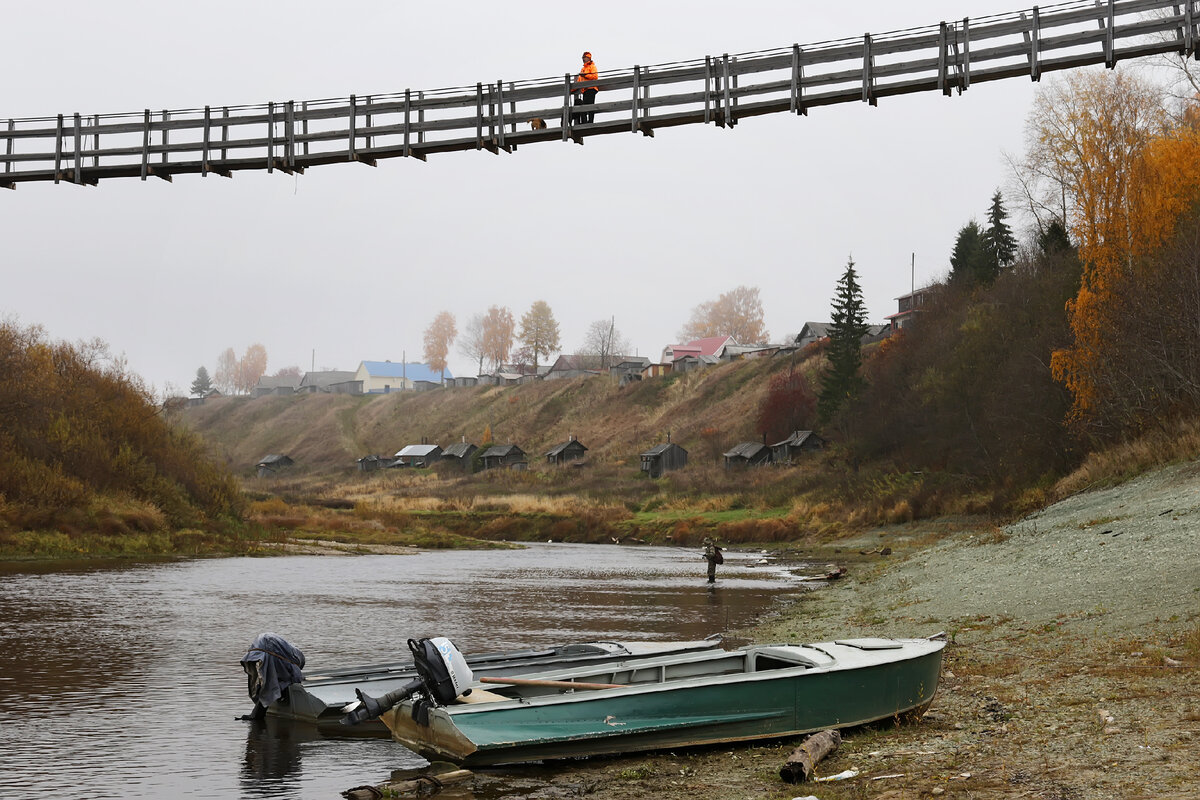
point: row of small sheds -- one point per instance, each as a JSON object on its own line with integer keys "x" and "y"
{"x": 755, "y": 454}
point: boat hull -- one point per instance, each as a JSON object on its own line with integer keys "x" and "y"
{"x": 706, "y": 709}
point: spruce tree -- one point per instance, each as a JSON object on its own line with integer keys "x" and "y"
{"x": 972, "y": 262}
{"x": 998, "y": 237}
{"x": 841, "y": 380}
{"x": 203, "y": 384}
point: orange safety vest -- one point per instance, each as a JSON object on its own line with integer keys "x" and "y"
{"x": 588, "y": 73}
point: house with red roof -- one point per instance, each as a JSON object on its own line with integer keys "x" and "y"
{"x": 697, "y": 350}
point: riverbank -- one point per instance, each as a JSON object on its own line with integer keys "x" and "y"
{"x": 1075, "y": 647}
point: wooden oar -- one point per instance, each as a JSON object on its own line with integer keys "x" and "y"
{"x": 550, "y": 684}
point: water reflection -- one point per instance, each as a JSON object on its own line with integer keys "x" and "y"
{"x": 124, "y": 680}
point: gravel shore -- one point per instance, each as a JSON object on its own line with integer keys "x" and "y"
{"x": 1070, "y": 675}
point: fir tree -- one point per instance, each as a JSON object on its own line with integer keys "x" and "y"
{"x": 998, "y": 237}
{"x": 972, "y": 262}
{"x": 203, "y": 384}
{"x": 841, "y": 380}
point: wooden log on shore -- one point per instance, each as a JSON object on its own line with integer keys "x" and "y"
{"x": 801, "y": 763}
{"x": 412, "y": 786}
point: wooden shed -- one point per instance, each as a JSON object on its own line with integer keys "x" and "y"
{"x": 748, "y": 454}
{"x": 795, "y": 445}
{"x": 504, "y": 455}
{"x": 663, "y": 458}
{"x": 570, "y": 450}
{"x": 459, "y": 454}
{"x": 418, "y": 455}
{"x": 272, "y": 464}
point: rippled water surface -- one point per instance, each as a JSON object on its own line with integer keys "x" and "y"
{"x": 123, "y": 681}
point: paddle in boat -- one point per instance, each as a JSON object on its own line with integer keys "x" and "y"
{"x": 671, "y": 701}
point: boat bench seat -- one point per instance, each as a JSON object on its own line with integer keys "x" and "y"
{"x": 481, "y": 696}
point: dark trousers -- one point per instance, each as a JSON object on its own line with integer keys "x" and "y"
{"x": 584, "y": 98}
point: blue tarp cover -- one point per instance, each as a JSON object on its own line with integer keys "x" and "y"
{"x": 272, "y": 664}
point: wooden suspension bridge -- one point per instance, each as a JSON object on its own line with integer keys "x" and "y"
{"x": 499, "y": 116}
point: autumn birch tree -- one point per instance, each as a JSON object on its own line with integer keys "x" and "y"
{"x": 438, "y": 337}
{"x": 539, "y": 331}
{"x": 499, "y": 328}
{"x": 737, "y": 313}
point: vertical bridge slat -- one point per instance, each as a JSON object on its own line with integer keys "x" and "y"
{"x": 165, "y": 138}
{"x": 566, "y": 112}
{"x": 637, "y": 76}
{"x": 943, "y": 47}
{"x": 966, "y": 60}
{"x": 868, "y": 86}
{"x": 707, "y": 89}
{"x": 797, "y": 82}
{"x": 353, "y": 115}
{"x": 224, "y": 132}
{"x": 500, "y": 111}
{"x": 1189, "y": 36}
{"x": 1110, "y": 54}
{"x": 479, "y": 116}
{"x": 78, "y": 149}
{"x": 370, "y": 139}
{"x": 1035, "y": 39}
{"x": 512, "y": 105}
{"x": 304, "y": 125}
{"x": 207, "y": 141}
{"x": 58, "y": 137}
{"x": 270, "y": 137}
{"x": 96, "y": 140}
{"x": 8, "y": 147}
{"x": 407, "y": 122}
{"x": 290, "y": 132}
{"x": 146, "y": 144}
{"x": 727, "y": 121}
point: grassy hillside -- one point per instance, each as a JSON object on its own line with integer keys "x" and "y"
{"x": 89, "y": 464}
{"x": 325, "y": 434}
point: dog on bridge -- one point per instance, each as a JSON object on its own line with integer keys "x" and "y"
{"x": 537, "y": 123}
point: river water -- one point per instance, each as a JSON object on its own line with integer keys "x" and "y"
{"x": 122, "y": 680}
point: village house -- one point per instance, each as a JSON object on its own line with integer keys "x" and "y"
{"x": 459, "y": 454}
{"x": 325, "y": 381}
{"x": 663, "y": 458}
{"x": 748, "y": 454}
{"x": 275, "y": 384}
{"x": 272, "y": 464}
{"x": 570, "y": 450}
{"x": 909, "y": 306}
{"x": 798, "y": 443}
{"x": 504, "y": 455}
{"x": 418, "y": 455}
{"x": 382, "y": 377}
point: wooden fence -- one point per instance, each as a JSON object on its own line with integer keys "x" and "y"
{"x": 291, "y": 136}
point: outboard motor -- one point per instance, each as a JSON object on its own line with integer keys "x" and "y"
{"x": 272, "y": 664}
{"x": 442, "y": 675}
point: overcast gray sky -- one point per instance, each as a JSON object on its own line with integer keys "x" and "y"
{"x": 351, "y": 262}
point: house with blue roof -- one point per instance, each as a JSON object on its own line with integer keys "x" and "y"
{"x": 381, "y": 377}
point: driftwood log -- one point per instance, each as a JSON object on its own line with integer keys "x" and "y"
{"x": 801, "y": 763}
{"x": 427, "y": 784}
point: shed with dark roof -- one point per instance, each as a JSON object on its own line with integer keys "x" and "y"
{"x": 570, "y": 450}
{"x": 748, "y": 454}
{"x": 663, "y": 458}
{"x": 504, "y": 455}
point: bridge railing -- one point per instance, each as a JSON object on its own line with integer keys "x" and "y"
{"x": 291, "y": 136}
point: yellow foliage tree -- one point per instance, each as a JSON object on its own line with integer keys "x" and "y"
{"x": 1126, "y": 177}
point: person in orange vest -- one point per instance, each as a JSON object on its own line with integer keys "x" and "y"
{"x": 585, "y": 97}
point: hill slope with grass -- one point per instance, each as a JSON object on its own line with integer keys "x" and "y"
{"x": 704, "y": 411}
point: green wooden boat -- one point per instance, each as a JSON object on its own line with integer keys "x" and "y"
{"x": 675, "y": 701}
